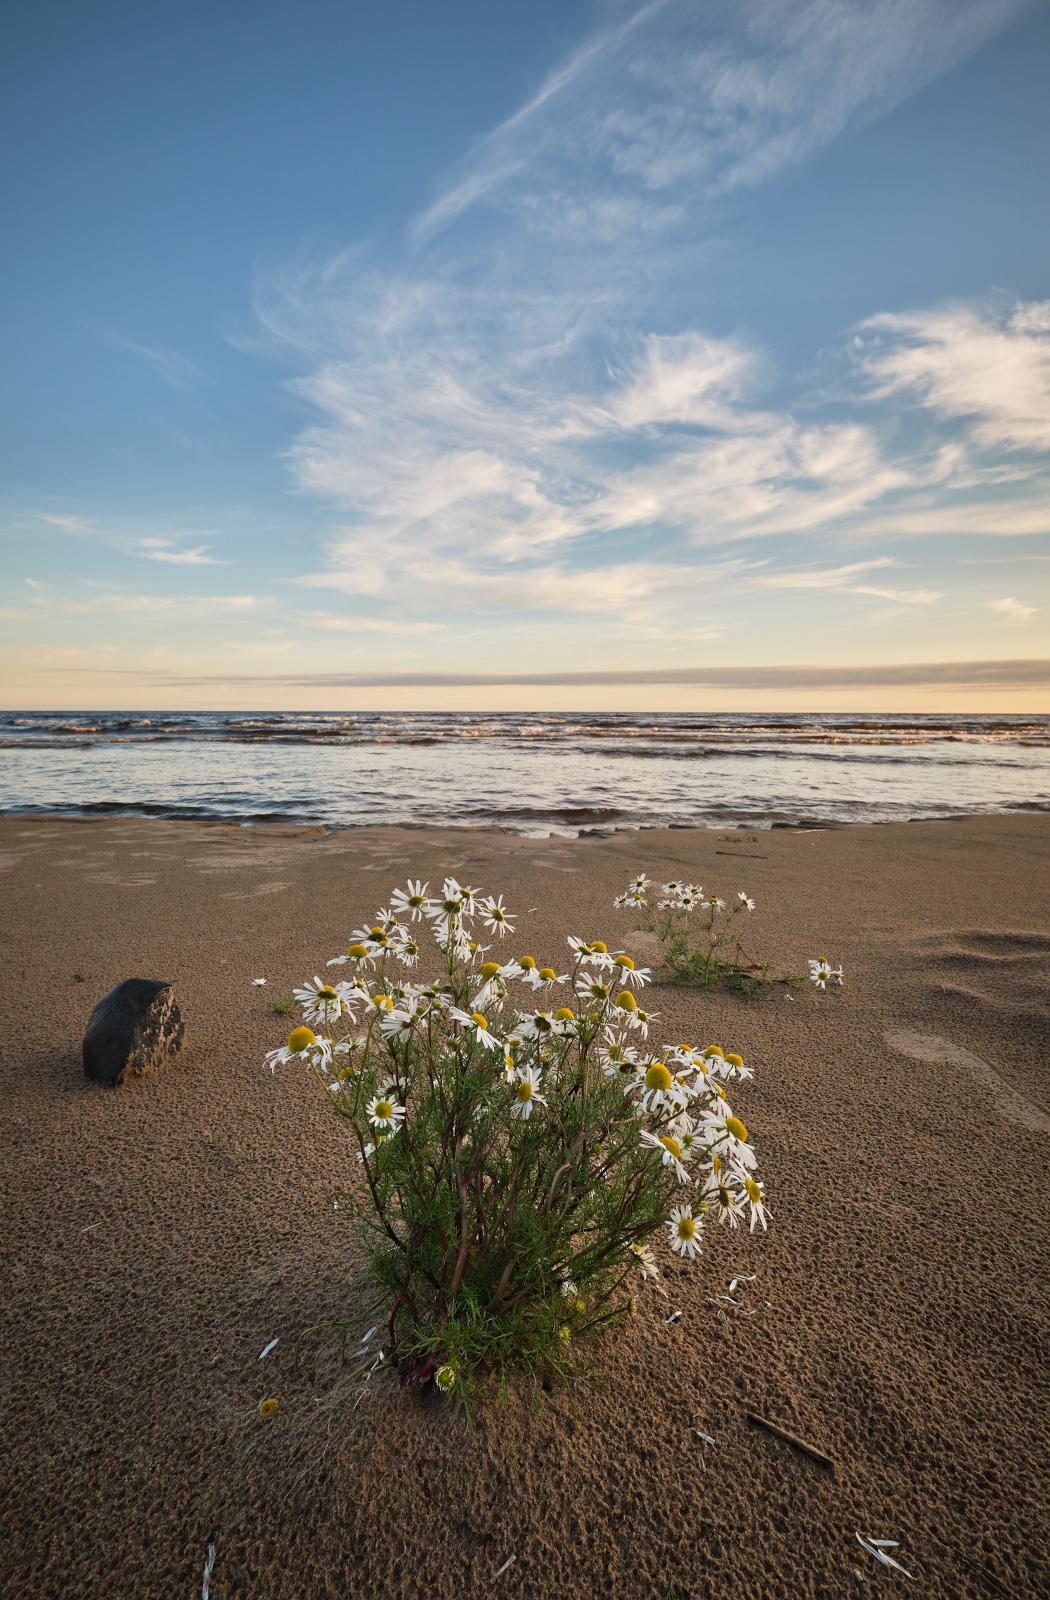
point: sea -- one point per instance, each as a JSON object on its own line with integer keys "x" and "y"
{"x": 538, "y": 773}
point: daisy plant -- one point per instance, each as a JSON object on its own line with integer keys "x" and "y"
{"x": 524, "y": 1153}
{"x": 697, "y": 931}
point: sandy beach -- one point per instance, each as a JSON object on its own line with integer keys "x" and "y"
{"x": 156, "y": 1237}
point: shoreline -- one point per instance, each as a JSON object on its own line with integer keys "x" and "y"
{"x": 103, "y": 813}
{"x": 159, "y": 1236}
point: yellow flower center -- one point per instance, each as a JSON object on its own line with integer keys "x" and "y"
{"x": 382, "y": 1002}
{"x": 725, "y": 1198}
{"x": 268, "y": 1408}
{"x": 481, "y": 1020}
{"x": 736, "y": 1128}
{"x": 489, "y": 969}
{"x": 524, "y": 1090}
{"x": 714, "y": 1050}
{"x": 669, "y": 1142}
{"x": 626, "y": 1001}
{"x": 754, "y": 1190}
{"x": 600, "y": 947}
{"x": 686, "y": 1227}
{"x": 383, "y": 1109}
{"x": 564, "y": 1014}
{"x": 528, "y": 963}
{"x": 548, "y": 974}
{"x": 357, "y": 951}
{"x": 299, "y": 1038}
{"x": 326, "y": 992}
{"x": 735, "y": 1060}
{"x": 658, "y": 1077}
{"x": 625, "y": 962}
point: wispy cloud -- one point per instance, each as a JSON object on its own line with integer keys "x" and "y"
{"x": 146, "y": 547}
{"x": 175, "y": 369}
{"x": 843, "y": 580}
{"x": 990, "y": 370}
{"x": 1012, "y": 610}
{"x": 678, "y": 100}
{"x": 188, "y": 556}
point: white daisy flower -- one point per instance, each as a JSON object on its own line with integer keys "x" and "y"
{"x": 495, "y": 915}
{"x": 684, "y": 1229}
{"x": 411, "y": 901}
{"x": 477, "y": 1023}
{"x": 383, "y": 1111}
{"x": 637, "y": 977}
{"x": 541, "y": 977}
{"x": 302, "y": 1044}
{"x": 726, "y": 1134}
{"x": 645, "y": 1259}
{"x": 660, "y": 1088}
{"x": 745, "y": 900}
{"x": 526, "y": 1093}
{"x": 821, "y": 972}
{"x": 724, "y": 1201}
{"x": 539, "y": 1025}
{"x": 321, "y": 1002}
{"x": 671, "y": 1150}
{"x": 754, "y": 1190}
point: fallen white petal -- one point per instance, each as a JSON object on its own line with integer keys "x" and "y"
{"x": 271, "y": 1346}
{"x": 257, "y": 983}
{"x": 706, "y": 1437}
{"x": 209, "y": 1566}
{"x": 672, "y": 1318}
{"x": 886, "y": 1544}
{"x": 508, "y": 1563}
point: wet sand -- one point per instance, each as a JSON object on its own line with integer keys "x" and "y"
{"x": 158, "y": 1236}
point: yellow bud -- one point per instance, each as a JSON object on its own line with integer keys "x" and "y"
{"x": 268, "y": 1408}
{"x": 736, "y": 1128}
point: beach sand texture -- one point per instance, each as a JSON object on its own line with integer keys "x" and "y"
{"x": 158, "y": 1236}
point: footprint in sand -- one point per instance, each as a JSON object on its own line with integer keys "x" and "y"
{"x": 934, "y": 1051}
{"x": 251, "y": 894}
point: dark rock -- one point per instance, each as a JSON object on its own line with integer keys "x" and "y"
{"x": 133, "y": 1027}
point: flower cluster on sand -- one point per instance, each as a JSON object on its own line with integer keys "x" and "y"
{"x": 523, "y": 1145}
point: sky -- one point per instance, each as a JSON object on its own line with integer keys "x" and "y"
{"x": 686, "y": 355}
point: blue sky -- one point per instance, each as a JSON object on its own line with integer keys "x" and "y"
{"x": 346, "y": 343}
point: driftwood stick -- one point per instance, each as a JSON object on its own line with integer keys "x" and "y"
{"x": 791, "y": 1438}
{"x": 749, "y": 855}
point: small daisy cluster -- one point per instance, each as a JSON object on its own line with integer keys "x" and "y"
{"x": 821, "y": 972}
{"x": 695, "y": 928}
{"x": 521, "y": 1142}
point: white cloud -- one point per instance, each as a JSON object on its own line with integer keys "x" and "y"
{"x": 991, "y": 371}
{"x": 190, "y": 556}
{"x": 843, "y": 580}
{"x": 1012, "y": 610}
{"x": 698, "y": 101}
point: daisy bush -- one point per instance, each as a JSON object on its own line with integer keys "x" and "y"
{"x": 525, "y": 1152}
{"x": 697, "y": 931}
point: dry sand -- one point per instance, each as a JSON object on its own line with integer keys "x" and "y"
{"x": 157, "y": 1236}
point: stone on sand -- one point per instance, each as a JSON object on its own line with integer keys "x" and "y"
{"x": 135, "y": 1026}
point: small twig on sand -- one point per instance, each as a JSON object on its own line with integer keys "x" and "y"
{"x": 791, "y": 1438}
